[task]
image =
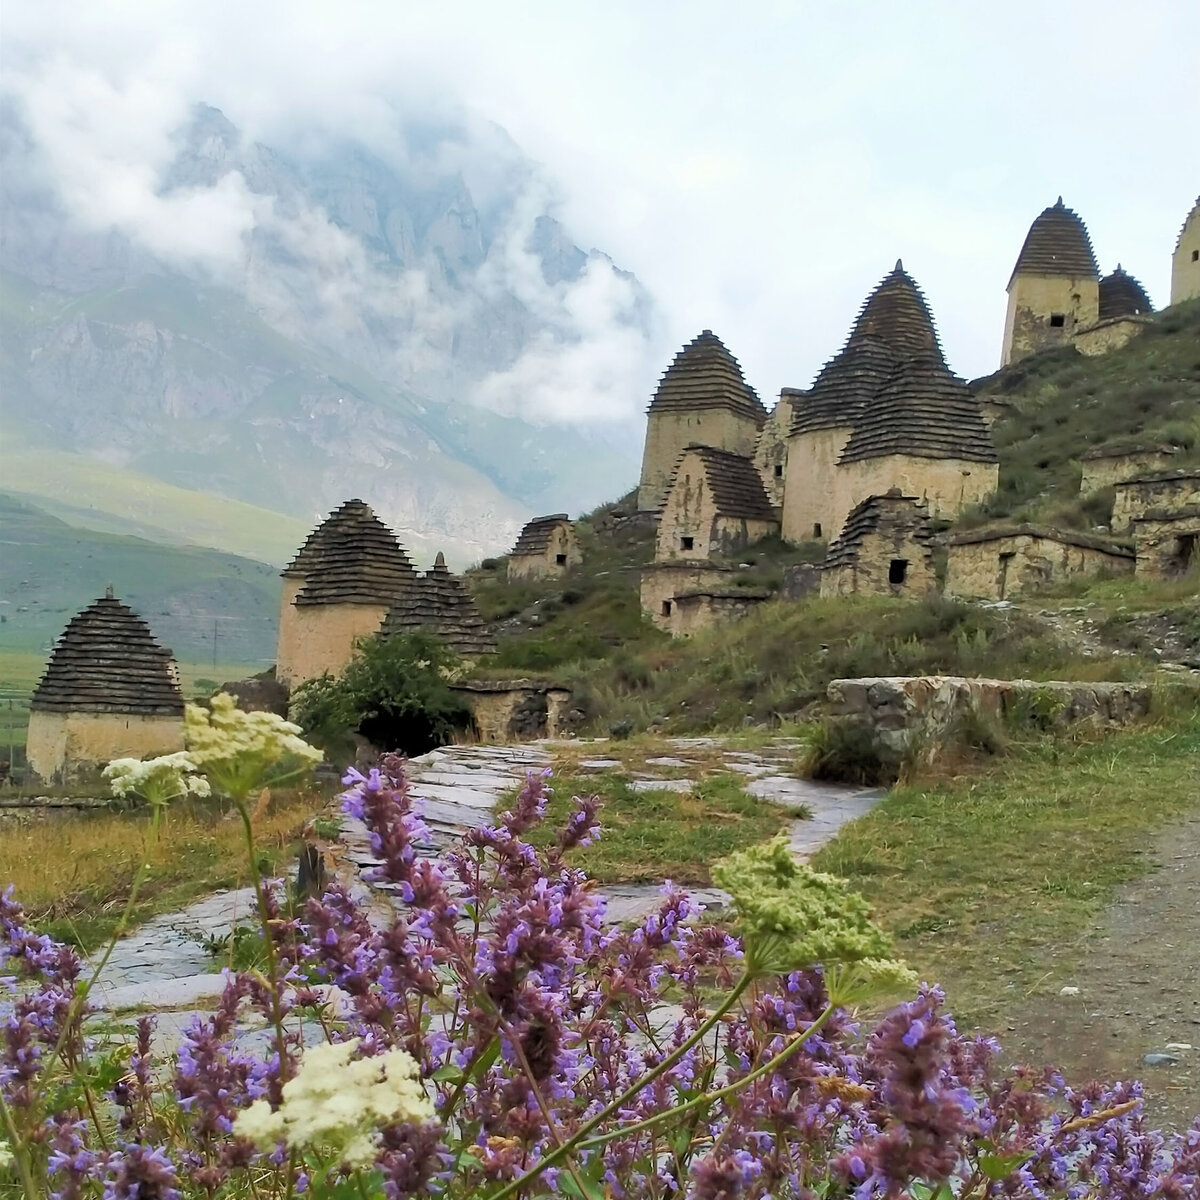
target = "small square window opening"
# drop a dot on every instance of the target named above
(1057, 320)
(897, 571)
(561, 559)
(779, 470)
(1196, 256)
(687, 543)
(817, 529)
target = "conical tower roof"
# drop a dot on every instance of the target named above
(924, 412)
(705, 375)
(108, 661)
(439, 603)
(1194, 215)
(1057, 244)
(893, 324)
(352, 557)
(1122, 296)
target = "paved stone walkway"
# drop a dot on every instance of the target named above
(165, 967)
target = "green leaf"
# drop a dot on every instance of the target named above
(591, 1189)
(450, 1073)
(1000, 1166)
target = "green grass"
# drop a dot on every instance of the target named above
(989, 882)
(656, 835)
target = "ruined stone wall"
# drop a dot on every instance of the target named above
(692, 613)
(64, 746)
(1032, 302)
(1167, 547)
(809, 509)
(667, 433)
(870, 572)
(516, 710)
(324, 637)
(1009, 566)
(771, 453)
(915, 718)
(994, 408)
(1109, 335)
(1185, 262)
(1135, 498)
(662, 582)
(563, 544)
(945, 485)
(1100, 473)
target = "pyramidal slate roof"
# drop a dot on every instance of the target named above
(894, 323)
(535, 537)
(705, 375)
(1122, 296)
(891, 509)
(108, 661)
(352, 557)
(1057, 244)
(1192, 216)
(439, 603)
(736, 486)
(922, 411)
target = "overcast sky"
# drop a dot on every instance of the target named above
(758, 165)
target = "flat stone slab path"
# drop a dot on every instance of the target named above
(166, 967)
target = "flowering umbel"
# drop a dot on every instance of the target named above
(158, 781)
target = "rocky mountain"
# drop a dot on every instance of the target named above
(287, 326)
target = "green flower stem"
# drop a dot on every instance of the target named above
(577, 1139)
(720, 1094)
(19, 1152)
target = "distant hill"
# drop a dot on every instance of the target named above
(334, 351)
(52, 569)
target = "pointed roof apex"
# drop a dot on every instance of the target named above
(1057, 244)
(1058, 203)
(108, 592)
(899, 267)
(705, 375)
(439, 563)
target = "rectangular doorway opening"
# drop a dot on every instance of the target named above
(779, 470)
(816, 529)
(666, 608)
(897, 571)
(1185, 557)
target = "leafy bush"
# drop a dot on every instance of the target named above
(846, 750)
(394, 693)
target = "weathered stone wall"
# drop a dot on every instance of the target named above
(800, 581)
(809, 508)
(323, 638)
(692, 612)
(869, 573)
(563, 544)
(1009, 566)
(1034, 299)
(64, 746)
(667, 433)
(514, 709)
(662, 582)
(1106, 336)
(1167, 546)
(771, 453)
(1100, 473)
(945, 485)
(1185, 262)
(286, 644)
(1169, 492)
(993, 408)
(916, 718)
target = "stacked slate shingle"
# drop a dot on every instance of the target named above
(1057, 244)
(1122, 296)
(535, 537)
(705, 375)
(735, 484)
(107, 661)
(922, 411)
(893, 324)
(352, 557)
(886, 514)
(439, 603)
(1187, 221)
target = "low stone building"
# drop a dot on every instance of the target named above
(999, 563)
(1185, 262)
(706, 607)
(440, 604)
(1167, 542)
(885, 548)
(1109, 465)
(771, 452)
(1164, 491)
(715, 507)
(661, 582)
(337, 591)
(109, 691)
(546, 548)
(702, 399)
(508, 710)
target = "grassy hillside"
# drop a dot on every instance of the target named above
(1064, 404)
(52, 569)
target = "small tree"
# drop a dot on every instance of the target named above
(394, 693)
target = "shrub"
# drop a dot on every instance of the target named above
(847, 750)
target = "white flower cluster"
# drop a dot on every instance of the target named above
(226, 732)
(157, 780)
(336, 1103)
